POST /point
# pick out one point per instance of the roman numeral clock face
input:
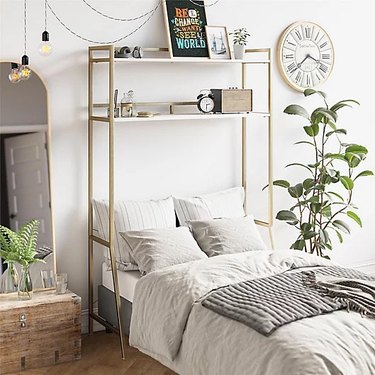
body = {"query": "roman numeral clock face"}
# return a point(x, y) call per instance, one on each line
point(306, 55)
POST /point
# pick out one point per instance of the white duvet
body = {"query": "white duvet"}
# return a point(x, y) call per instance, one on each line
point(169, 324)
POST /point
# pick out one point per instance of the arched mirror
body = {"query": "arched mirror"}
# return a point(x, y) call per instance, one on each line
point(25, 187)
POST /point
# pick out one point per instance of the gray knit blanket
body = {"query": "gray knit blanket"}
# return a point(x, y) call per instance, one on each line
point(268, 303)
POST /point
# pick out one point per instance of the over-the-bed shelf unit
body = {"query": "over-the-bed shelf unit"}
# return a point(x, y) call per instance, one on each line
point(105, 55)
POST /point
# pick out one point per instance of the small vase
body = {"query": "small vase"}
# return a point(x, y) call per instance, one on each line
point(239, 51)
point(11, 279)
point(25, 285)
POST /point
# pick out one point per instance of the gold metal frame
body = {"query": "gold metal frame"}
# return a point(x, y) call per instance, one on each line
point(92, 238)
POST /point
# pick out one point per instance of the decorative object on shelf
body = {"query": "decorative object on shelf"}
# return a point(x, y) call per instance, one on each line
point(218, 42)
point(137, 52)
point(61, 283)
point(185, 24)
point(45, 47)
point(48, 278)
point(116, 109)
point(305, 55)
point(239, 42)
point(127, 104)
point(20, 247)
point(318, 206)
point(146, 114)
point(205, 101)
point(22, 72)
point(123, 52)
point(11, 280)
point(232, 100)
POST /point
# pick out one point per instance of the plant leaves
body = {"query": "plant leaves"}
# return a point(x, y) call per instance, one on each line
point(296, 191)
point(343, 103)
point(286, 215)
point(337, 131)
point(347, 182)
point(355, 217)
point(304, 142)
point(342, 226)
point(281, 183)
point(308, 235)
point(356, 149)
point(312, 130)
point(309, 92)
point(363, 174)
point(295, 109)
point(299, 165)
point(336, 195)
point(325, 114)
point(298, 245)
point(339, 235)
point(308, 183)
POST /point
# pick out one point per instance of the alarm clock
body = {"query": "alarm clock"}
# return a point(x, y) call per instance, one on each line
point(206, 102)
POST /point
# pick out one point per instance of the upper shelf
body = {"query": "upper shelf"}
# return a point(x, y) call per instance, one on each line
point(196, 60)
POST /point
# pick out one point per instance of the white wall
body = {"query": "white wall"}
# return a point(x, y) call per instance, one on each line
point(157, 160)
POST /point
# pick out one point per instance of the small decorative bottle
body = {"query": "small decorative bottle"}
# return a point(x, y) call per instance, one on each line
point(127, 104)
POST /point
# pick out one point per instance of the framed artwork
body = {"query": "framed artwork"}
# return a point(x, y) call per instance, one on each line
point(218, 42)
point(185, 23)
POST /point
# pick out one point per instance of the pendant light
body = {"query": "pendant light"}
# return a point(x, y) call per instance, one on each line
point(14, 75)
point(25, 71)
point(45, 48)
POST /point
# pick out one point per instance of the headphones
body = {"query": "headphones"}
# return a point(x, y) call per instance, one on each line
point(125, 52)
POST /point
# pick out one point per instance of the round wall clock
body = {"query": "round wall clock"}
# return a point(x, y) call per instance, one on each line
point(305, 55)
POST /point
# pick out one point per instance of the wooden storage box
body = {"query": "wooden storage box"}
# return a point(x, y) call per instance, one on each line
point(43, 331)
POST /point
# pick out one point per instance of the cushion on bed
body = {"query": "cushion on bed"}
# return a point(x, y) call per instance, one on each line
point(132, 215)
point(225, 203)
point(227, 235)
point(155, 249)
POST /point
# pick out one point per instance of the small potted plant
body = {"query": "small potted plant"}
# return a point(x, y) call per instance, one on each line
point(239, 42)
point(21, 247)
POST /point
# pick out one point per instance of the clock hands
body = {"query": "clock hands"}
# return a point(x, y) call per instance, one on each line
point(308, 56)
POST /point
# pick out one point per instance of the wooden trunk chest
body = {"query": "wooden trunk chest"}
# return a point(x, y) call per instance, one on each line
point(43, 331)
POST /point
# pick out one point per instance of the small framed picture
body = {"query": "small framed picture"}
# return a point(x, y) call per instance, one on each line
point(218, 42)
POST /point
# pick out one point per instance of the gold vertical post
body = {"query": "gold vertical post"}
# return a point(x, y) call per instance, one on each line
point(111, 166)
point(90, 191)
point(244, 142)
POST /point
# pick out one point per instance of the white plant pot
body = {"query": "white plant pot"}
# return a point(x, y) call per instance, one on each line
point(239, 51)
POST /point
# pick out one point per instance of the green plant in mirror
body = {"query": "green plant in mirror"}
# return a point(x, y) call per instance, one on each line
point(20, 246)
point(324, 198)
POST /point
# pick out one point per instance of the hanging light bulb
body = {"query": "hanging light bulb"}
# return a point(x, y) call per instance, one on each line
point(45, 48)
point(14, 75)
point(25, 71)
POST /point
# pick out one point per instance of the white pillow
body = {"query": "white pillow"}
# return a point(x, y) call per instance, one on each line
point(155, 249)
point(226, 203)
point(132, 215)
point(227, 235)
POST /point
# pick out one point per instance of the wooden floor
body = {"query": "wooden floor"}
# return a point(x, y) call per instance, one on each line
point(101, 356)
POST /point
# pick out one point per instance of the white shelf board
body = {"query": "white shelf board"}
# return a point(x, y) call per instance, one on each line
point(189, 117)
point(197, 60)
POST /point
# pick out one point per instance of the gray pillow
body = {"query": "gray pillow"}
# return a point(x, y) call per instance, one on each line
point(154, 249)
point(227, 235)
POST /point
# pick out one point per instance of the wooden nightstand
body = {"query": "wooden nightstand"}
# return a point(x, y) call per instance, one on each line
point(43, 331)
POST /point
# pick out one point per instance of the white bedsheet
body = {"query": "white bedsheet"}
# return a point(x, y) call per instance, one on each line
point(127, 281)
point(169, 324)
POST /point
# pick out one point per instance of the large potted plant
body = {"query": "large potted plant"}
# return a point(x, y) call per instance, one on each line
point(239, 42)
point(21, 247)
point(324, 198)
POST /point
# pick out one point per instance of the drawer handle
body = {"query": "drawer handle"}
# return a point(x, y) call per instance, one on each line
point(23, 320)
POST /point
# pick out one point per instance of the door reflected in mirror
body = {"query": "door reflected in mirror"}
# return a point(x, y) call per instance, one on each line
point(24, 170)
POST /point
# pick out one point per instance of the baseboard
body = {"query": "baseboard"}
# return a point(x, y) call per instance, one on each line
point(85, 322)
point(365, 267)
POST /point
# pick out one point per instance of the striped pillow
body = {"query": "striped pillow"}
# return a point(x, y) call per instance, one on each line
point(225, 203)
point(132, 215)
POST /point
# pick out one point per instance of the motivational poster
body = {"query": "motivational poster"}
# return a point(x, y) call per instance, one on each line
point(186, 21)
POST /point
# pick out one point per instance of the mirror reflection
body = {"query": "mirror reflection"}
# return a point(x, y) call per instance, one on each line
point(24, 168)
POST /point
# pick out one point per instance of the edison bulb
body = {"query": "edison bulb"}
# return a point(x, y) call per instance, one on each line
point(25, 72)
point(45, 48)
point(14, 75)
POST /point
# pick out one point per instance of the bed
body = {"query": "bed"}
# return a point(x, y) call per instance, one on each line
point(217, 245)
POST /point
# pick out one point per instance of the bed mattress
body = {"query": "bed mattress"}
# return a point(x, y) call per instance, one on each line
point(127, 281)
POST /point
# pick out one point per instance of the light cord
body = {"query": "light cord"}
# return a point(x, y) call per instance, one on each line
point(102, 42)
point(25, 25)
point(120, 19)
point(45, 15)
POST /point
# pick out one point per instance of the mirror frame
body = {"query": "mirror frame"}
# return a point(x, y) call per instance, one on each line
point(49, 164)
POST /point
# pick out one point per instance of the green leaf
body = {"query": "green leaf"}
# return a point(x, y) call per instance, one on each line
point(339, 235)
point(324, 236)
point(323, 114)
point(342, 226)
point(312, 130)
point(295, 109)
point(337, 131)
point(347, 182)
point(308, 183)
point(363, 174)
point(335, 156)
point(286, 215)
point(306, 227)
point(309, 92)
point(336, 195)
point(304, 142)
point(298, 245)
point(315, 207)
point(299, 165)
point(309, 235)
point(356, 149)
point(343, 103)
point(326, 211)
point(355, 217)
point(281, 183)
point(296, 191)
